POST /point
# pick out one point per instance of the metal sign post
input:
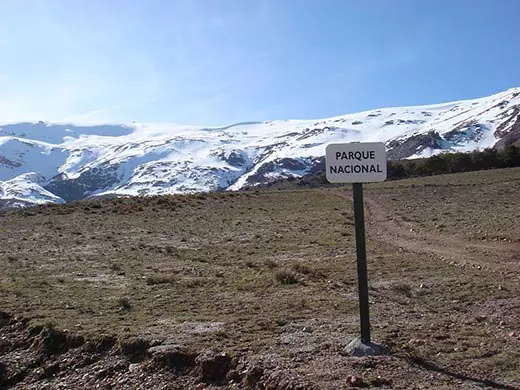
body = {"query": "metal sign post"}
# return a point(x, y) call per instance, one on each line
point(359, 220)
point(358, 163)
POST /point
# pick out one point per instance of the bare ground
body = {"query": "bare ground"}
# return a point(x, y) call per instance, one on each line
point(136, 293)
point(389, 227)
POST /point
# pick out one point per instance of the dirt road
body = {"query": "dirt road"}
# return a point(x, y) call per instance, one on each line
point(384, 224)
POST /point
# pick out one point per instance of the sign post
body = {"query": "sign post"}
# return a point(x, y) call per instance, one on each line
point(359, 220)
point(358, 163)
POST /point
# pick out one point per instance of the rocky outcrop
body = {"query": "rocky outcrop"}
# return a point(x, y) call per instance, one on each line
point(8, 163)
point(509, 135)
point(399, 149)
point(471, 131)
point(89, 181)
point(285, 168)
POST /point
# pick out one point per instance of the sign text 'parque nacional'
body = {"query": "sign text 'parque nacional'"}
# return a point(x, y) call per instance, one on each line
point(356, 162)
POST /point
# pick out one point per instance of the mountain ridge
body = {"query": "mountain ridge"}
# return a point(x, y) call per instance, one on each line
point(73, 162)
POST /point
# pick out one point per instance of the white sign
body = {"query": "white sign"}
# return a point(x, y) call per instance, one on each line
point(356, 162)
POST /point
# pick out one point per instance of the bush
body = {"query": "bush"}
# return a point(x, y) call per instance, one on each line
point(455, 162)
point(286, 276)
point(124, 303)
point(270, 263)
point(160, 279)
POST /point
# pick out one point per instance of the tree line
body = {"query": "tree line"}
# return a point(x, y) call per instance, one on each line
point(436, 165)
point(455, 162)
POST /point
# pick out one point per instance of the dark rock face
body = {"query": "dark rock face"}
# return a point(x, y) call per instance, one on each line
point(8, 163)
point(511, 135)
point(262, 175)
point(400, 149)
point(318, 166)
point(268, 150)
point(236, 158)
point(89, 181)
point(466, 132)
point(307, 133)
point(288, 163)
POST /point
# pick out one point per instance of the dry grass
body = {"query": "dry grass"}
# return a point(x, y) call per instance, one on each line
point(267, 265)
point(479, 206)
point(286, 276)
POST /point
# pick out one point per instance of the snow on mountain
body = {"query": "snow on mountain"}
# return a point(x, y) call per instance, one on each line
point(43, 162)
point(24, 190)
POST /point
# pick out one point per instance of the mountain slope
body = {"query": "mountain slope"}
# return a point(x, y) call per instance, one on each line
point(73, 162)
point(25, 190)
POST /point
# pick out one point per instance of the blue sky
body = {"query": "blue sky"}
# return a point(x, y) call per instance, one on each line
point(215, 62)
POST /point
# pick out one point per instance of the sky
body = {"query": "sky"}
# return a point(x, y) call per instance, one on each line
point(217, 62)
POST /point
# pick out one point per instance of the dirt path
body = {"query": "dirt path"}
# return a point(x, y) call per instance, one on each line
point(386, 225)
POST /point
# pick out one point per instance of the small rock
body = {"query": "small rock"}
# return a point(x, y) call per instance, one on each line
point(252, 376)
point(416, 342)
point(481, 318)
point(51, 370)
point(134, 367)
point(234, 376)
point(358, 349)
point(307, 329)
point(379, 381)
point(513, 334)
point(355, 381)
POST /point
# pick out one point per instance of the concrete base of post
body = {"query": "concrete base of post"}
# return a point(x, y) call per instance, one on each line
point(358, 348)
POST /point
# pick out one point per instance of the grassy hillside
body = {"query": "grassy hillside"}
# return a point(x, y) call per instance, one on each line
point(270, 277)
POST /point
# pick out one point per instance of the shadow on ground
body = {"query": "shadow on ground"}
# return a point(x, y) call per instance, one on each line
point(425, 364)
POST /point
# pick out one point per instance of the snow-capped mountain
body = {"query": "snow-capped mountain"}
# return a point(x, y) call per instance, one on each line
point(25, 190)
point(44, 162)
